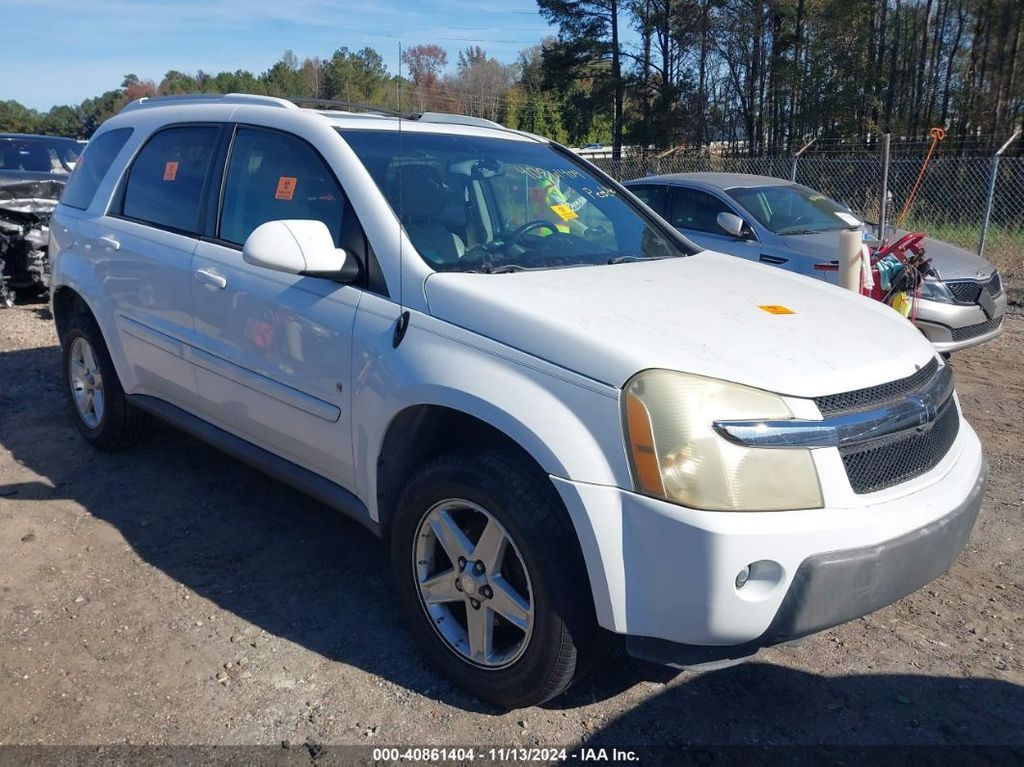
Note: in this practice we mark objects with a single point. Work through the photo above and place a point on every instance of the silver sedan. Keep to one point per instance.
(784, 224)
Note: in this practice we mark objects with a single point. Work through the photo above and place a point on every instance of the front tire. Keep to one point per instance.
(99, 408)
(491, 578)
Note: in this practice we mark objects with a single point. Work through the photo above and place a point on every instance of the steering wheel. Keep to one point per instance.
(486, 253)
(529, 226)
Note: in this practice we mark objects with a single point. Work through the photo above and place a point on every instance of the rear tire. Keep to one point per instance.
(99, 408)
(533, 597)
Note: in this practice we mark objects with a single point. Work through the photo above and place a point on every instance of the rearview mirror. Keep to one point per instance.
(298, 246)
(734, 225)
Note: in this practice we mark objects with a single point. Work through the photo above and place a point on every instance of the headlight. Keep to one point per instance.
(932, 290)
(677, 455)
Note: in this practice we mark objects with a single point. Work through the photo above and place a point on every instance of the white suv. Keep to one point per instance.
(482, 347)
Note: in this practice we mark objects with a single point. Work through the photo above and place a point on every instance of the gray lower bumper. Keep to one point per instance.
(832, 588)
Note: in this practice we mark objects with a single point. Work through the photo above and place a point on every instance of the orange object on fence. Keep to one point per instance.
(937, 135)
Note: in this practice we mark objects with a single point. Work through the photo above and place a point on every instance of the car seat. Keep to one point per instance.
(420, 196)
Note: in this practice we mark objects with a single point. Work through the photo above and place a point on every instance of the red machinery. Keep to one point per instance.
(909, 253)
(898, 268)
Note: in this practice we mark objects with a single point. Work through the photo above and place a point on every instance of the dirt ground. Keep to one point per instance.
(171, 595)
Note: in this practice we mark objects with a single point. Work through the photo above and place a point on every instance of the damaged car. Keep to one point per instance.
(33, 172)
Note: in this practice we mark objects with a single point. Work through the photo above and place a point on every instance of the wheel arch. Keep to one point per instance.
(65, 302)
(437, 429)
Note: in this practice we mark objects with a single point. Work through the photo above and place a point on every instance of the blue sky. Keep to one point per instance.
(63, 51)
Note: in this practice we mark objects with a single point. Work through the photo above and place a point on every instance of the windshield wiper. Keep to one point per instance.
(630, 259)
(504, 268)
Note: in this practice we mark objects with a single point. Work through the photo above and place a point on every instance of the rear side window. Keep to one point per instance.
(165, 183)
(273, 176)
(653, 196)
(92, 166)
(692, 209)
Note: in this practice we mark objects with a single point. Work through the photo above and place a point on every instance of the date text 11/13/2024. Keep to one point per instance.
(502, 754)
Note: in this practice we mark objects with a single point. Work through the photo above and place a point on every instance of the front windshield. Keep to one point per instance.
(793, 209)
(40, 154)
(470, 203)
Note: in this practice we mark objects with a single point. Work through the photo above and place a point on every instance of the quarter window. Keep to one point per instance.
(165, 184)
(696, 210)
(273, 176)
(92, 166)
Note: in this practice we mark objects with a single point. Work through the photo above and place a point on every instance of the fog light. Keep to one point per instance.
(741, 578)
(759, 580)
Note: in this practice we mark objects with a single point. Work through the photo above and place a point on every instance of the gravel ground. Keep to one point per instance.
(171, 595)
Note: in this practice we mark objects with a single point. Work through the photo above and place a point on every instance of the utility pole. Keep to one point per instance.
(990, 197)
(884, 203)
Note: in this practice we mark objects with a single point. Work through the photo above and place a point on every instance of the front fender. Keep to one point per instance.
(569, 424)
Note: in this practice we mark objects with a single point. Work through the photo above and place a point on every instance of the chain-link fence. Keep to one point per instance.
(955, 199)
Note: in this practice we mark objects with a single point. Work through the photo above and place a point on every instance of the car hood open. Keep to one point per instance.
(706, 314)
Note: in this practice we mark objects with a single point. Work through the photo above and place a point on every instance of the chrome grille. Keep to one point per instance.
(973, 331)
(874, 396)
(874, 466)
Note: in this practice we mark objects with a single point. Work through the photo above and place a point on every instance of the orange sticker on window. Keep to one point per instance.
(776, 309)
(564, 212)
(285, 188)
(170, 170)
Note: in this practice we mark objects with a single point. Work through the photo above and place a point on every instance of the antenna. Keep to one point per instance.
(402, 323)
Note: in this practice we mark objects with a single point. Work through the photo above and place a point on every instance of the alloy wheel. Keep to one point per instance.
(473, 584)
(86, 382)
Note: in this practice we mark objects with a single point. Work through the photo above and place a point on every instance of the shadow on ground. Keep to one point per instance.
(763, 704)
(303, 572)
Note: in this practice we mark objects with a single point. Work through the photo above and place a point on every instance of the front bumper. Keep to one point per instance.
(833, 588)
(954, 327)
(666, 576)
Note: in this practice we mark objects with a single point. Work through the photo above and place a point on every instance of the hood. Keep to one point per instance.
(29, 201)
(950, 261)
(22, 183)
(956, 263)
(699, 314)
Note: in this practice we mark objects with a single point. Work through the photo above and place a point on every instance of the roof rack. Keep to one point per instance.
(335, 105)
(455, 119)
(426, 117)
(208, 98)
(446, 118)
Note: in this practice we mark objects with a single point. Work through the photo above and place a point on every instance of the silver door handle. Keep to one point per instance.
(212, 279)
(110, 242)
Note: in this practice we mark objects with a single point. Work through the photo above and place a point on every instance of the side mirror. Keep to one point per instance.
(298, 246)
(734, 225)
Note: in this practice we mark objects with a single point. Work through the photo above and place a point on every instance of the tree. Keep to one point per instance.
(61, 121)
(481, 83)
(16, 118)
(755, 76)
(358, 77)
(313, 72)
(285, 78)
(134, 88)
(93, 112)
(425, 64)
(175, 82)
(239, 81)
(589, 48)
